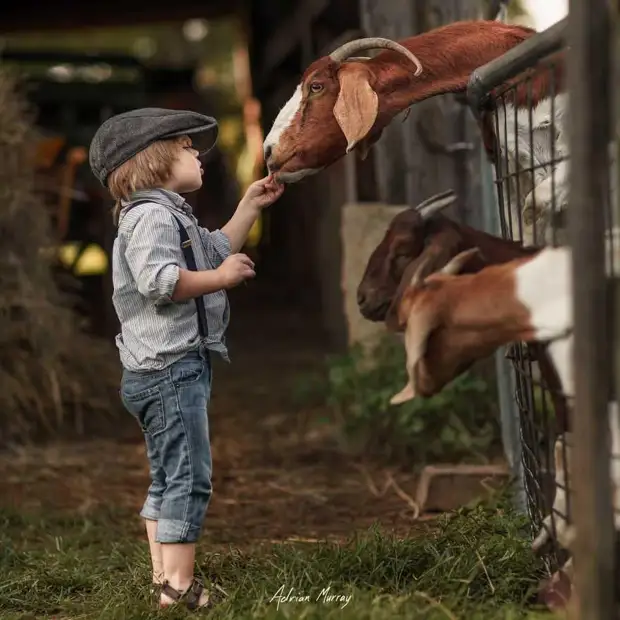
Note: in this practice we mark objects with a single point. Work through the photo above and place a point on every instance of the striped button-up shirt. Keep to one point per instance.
(146, 258)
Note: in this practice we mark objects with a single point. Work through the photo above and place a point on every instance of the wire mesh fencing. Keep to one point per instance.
(521, 103)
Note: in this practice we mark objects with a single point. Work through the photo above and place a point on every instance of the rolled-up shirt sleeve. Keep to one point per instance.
(153, 256)
(217, 245)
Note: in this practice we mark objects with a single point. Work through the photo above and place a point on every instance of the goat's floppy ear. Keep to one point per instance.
(423, 270)
(420, 323)
(357, 105)
(456, 265)
(404, 395)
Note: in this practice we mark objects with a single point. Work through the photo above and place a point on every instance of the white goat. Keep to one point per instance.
(537, 140)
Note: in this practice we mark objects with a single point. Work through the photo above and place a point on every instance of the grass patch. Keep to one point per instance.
(476, 565)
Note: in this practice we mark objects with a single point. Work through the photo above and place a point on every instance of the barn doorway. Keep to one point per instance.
(77, 78)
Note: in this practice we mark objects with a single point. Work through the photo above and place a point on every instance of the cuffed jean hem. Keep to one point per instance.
(172, 531)
(171, 408)
(151, 509)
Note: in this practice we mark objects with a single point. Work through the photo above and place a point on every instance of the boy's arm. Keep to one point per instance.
(153, 254)
(238, 226)
(259, 194)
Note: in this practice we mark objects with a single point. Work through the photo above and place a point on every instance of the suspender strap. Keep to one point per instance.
(190, 259)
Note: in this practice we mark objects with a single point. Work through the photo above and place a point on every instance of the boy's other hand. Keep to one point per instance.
(235, 269)
(263, 192)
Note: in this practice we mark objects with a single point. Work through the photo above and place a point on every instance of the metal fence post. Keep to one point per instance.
(588, 70)
(506, 380)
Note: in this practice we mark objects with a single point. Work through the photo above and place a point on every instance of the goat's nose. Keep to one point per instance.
(268, 149)
(361, 298)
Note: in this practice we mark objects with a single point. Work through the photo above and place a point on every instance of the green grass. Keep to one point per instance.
(476, 565)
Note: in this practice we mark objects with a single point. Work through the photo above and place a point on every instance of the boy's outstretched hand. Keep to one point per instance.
(263, 192)
(259, 195)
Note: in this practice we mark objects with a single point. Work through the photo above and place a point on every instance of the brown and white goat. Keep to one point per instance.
(528, 299)
(344, 102)
(423, 235)
(523, 300)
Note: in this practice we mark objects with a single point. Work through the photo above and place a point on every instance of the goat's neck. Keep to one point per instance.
(494, 249)
(449, 56)
(486, 302)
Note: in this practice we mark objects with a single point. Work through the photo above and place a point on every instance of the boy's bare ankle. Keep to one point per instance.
(179, 582)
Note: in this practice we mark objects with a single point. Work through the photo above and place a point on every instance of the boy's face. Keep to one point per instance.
(186, 173)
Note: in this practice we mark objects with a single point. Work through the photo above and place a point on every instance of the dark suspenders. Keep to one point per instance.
(190, 259)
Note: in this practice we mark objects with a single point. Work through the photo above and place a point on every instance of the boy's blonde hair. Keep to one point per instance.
(148, 169)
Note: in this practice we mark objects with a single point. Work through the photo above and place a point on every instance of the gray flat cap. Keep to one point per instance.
(124, 135)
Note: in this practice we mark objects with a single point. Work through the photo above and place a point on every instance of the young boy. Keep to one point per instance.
(170, 278)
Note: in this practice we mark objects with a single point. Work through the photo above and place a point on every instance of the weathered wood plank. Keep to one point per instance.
(291, 33)
(393, 19)
(443, 137)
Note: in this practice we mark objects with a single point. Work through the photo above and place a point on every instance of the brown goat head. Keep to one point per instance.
(344, 102)
(405, 239)
(333, 110)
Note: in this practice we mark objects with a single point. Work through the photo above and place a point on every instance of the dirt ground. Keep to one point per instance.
(276, 477)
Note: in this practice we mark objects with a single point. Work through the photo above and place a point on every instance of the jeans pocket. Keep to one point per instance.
(147, 406)
(186, 373)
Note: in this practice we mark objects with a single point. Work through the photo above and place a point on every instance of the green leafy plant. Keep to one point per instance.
(459, 423)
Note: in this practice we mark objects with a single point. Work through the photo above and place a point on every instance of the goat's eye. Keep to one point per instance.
(316, 87)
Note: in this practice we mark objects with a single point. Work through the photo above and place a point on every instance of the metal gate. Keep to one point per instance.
(521, 103)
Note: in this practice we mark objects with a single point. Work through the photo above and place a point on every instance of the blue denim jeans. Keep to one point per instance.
(171, 408)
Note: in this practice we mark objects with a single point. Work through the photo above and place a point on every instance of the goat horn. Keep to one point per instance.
(420, 272)
(458, 262)
(353, 47)
(436, 203)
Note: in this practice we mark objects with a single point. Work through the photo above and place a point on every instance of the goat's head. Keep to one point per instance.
(404, 241)
(344, 102)
(334, 109)
(436, 354)
(416, 236)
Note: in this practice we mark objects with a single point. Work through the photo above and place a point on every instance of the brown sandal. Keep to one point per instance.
(190, 597)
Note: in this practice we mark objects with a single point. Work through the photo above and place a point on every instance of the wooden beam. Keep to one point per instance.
(290, 35)
(393, 19)
(589, 82)
(57, 57)
(345, 37)
(42, 15)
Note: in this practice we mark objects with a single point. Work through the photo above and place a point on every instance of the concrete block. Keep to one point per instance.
(443, 488)
(362, 227)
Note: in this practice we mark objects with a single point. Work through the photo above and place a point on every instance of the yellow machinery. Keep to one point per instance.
(55, 180)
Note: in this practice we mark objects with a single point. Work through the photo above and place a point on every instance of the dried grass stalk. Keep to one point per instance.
(52, 373)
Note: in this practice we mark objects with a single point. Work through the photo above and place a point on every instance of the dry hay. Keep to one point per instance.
(53, 376)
